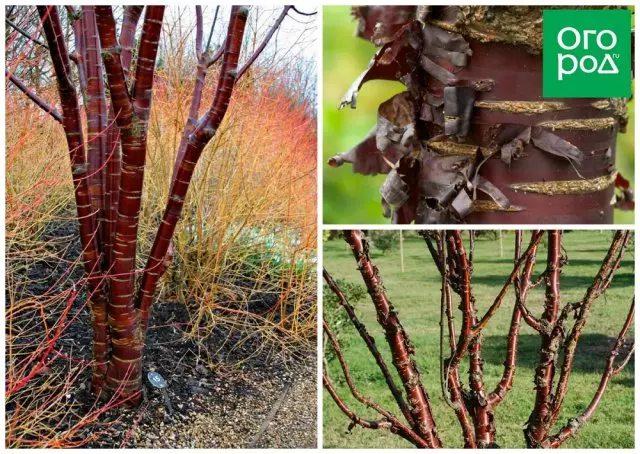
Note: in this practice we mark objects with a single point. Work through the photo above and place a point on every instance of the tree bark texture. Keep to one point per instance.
(472, 139)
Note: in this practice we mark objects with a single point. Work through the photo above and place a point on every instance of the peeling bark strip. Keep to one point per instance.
(398, 341)
(472, 75)
(108, 179)
(473, 405)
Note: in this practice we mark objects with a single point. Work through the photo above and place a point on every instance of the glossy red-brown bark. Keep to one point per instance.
(398, 340)
(96, 111)
(127, 36)
(474, 406)
(108, 187)
(88, 222)
(202, 134)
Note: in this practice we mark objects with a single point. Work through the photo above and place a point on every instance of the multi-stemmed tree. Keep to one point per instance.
(113, 74)
(559, 328)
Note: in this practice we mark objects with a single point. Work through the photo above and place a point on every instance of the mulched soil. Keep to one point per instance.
(221, 395)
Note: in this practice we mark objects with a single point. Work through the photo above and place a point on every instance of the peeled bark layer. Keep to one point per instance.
(472, 139)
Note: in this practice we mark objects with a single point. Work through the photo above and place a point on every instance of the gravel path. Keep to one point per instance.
(232, 418)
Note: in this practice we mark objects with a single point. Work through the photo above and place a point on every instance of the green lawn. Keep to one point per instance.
(416, 296)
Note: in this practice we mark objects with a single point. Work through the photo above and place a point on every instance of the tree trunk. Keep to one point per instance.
(108, 166)
(472, 139)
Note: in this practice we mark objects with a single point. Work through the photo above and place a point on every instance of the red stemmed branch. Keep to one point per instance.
(204, 62)
(610, 370)
(396, 426)
(127, 36)
(398, 340)
(371, 345)
(203, 133)
(474, 406)
(96, 115)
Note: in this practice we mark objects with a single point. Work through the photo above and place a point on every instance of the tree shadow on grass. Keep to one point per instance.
(591, 354)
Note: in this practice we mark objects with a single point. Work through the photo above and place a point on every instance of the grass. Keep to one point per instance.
(416, 295)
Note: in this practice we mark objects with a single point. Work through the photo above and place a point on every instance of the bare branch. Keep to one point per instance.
(600, 283)
(397, 427)
(34, 97)
(264, 42)
(574, 424)
(25, 34)
(371, 345)
(396, 338)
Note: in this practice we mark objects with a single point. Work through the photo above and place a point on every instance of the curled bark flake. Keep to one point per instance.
(393, 61)
(442, 176)
(367, 159)
(396, 126)
(437, 71)
(484, 185)
(551, 143)
(380, 23)
(394, 192)
(513, 149)
(439, 43)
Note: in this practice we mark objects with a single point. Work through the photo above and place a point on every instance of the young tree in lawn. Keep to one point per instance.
(474, 405)
(472, 139)
(108, 165)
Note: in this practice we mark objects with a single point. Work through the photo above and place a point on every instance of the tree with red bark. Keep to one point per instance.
(475, 404)
(113, 73)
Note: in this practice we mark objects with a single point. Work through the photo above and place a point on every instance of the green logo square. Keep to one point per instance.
(586, 53)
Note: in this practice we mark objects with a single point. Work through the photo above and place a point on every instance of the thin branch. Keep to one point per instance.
(34, 97)
(404, 431)
(574, 424)
(521, 286)
(516, 269)
(213, 25)
(25, 34)
(355, 420)
(371, 345)
(303, 13)
(601, 282)
(265, 41)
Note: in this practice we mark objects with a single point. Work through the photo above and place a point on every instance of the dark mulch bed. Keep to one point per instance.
(221, 392)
